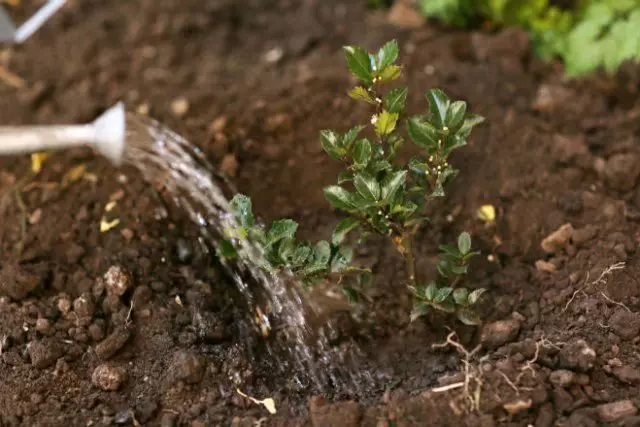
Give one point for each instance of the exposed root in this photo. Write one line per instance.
(601, 281)
(472, 373)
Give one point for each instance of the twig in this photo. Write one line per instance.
(448, 387)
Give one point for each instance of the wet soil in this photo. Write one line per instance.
(133, 326)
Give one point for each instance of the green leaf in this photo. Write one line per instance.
(340, 198)
(301, 255)
(387, 55)
(386, 123)
(390, 73)
(343, 228)
(438, 105)
(475, 296)
(321, 253)
(331, 144)
(455, 114)
(468, 317)
(358, 63)
(350, 136)
(362, 152)
(367, 186)
(460, 296)
(419, 310)
(395, 100)
(392, 183)
(423, 133)
(227, 250)
(360, 94)
(281, 229)
(431, 291)
(468, 125)
(464, 243)
(380, 165)
(442, 294)
(241, 208)
(341, 259)
(345, 176)
(287, 248)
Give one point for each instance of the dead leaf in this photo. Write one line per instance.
(267, 403)
(37, 160)
(106, 225)
(109, 207)
(74, 174)
(487, 213)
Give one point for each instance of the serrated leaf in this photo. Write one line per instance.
(468, 125)
(474, 296)
(387, 55)
(455, 114)
(418, 311)
(395, 100)
(468, 317)
(442, 294)
(464, 243)
(460, 296)
(362, 152)
(340, 198)
(360, 94)
(367, 186)
(280, 229)
(392, 183)
(358, 63)
(430, 291)
(242, 210)
(423, 133)
(301, 255)
(390, 73)
(343, 228)
(438, 105)
(386, 123)
(321, 253)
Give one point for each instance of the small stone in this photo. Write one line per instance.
(218, 125)
(622, 171)
(229, 165)
(557, 240)
(625, 324)
(627, 374)
(577, 355)
(404, 14)
(188, 367)
(45, 353)
(551, 98)
(84, 306)
(610, 412)
(498, 333)
(43, 326)
(274, 55)
(109, 377)
(113, 343)
(117, 281)
(545, 266)
(180, 107)
(562, 378)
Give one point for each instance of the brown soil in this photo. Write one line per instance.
(163, 343)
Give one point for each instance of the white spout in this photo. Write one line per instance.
(110, 133)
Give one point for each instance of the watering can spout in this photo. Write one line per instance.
(110, 133)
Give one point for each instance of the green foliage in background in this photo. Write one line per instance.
(379, 194)
(586, 34)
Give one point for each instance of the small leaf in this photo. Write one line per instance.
(387, 55)
(341, 259)
(350, 137)
(367, 187)
(227, 250)
(431, 291)
(360, 94)
(486, 213)
(340, 198)
(331, 144)
(358, 63)
(241, 208)
(392, 183)
(345, 176)
(460, 296)
(468, 125)
(362, 152)
(418, 311)
(390, 73)
(287, 248)
(455, 114)
(301, 255)
(468, 317)
(380, 165)
(422, 133)
(464, 243)
(386, 123)
(321, 253)
(442, 294)
(438, 105)
(343, 228)
(394, 101)
(475, 296)
(281, 229)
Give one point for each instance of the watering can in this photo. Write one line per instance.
(107, 135)
(9, 33)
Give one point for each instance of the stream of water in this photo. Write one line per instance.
(302, 350)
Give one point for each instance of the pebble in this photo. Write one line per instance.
(117, 281)
(188, 367)
(558, 240)
(551, 97)
(84, 306)
(45, 353)
(610, 412)
(43, 326)
(498, 333)
(109, 377)
(180, 107)
(113, 343)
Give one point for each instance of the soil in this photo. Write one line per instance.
(132, 326)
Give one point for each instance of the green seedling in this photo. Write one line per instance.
(380, 194)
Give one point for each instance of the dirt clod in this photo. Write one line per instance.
(622, 171)
(577, 354)
(345, 414)
(117, 281)
(562, 378)
(558, 240)
(45, 353)
(625, 324)
(187, 366)
(498, 333)
(610, 412)
(109, 377)
(16, 281)
(627, 374)
(113, 343)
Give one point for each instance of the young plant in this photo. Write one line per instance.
(380, 194)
